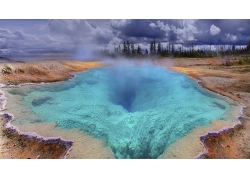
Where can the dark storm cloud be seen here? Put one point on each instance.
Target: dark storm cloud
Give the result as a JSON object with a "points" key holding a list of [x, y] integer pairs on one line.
{"points": [[136, 28], [83, 37], [185, 31], [232, 31], [226, 25], [19, 35], [18, 43], [80, 31], [146, 30], [77, 36], [73, 28], [54, 36], [172, 36], [163, 30]]}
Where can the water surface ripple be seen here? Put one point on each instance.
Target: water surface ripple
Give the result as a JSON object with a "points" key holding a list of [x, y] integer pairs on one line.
{"points": [[138, 110]]}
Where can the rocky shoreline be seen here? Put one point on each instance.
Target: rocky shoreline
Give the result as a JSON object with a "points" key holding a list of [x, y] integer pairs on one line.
{"points": [[209, 137], [39, 147]]}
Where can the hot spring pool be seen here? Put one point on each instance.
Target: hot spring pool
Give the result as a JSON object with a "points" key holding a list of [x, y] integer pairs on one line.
{"points": [[138, 110]]}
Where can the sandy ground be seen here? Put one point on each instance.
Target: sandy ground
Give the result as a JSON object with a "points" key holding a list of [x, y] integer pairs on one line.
{"points": [[42, 71], [230, 81]]}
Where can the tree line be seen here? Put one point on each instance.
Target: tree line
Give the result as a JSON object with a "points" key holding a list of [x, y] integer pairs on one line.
{"points": [[128, 49]]}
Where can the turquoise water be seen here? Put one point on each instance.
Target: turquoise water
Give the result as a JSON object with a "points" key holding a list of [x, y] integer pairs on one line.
{"points": [[138, 110]]}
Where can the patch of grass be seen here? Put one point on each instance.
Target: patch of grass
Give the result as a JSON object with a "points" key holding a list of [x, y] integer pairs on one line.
{"points": [[248, 91], [241, 62], [20, 70], [6, 69], [238, 95]]}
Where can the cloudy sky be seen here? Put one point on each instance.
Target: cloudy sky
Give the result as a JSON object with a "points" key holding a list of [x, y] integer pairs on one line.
{"points": [[21, 37]]}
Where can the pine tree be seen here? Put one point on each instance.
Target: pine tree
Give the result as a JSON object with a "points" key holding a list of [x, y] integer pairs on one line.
{"points": [[119, 48], [132, 49], [159, 48], [138, 50], [146, 52], [124, 50], [172, 49], [116, 50], [128, 48], [151, 48], [154, 46], [233, 49], [248, 45]]}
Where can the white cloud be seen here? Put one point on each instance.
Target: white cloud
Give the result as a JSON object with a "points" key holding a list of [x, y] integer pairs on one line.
{"points": [[214, 30], [19, 35], [152, 25], [231, 37], [187, 33], [160, 25], [4, 51], [4, 32], [189, 21], [119, 23], [241, 29], [213, 48]]}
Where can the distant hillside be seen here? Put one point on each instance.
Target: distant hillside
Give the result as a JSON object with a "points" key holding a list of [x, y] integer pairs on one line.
{"points": [[8, 60]]}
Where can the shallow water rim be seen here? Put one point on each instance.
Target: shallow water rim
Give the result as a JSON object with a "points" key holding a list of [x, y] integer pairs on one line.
{"points": [[8, 117]]}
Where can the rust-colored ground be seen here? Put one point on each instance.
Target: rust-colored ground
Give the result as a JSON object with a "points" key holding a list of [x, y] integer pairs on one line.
{"points": [[18, 146], [36, 149], [43, 71]]}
